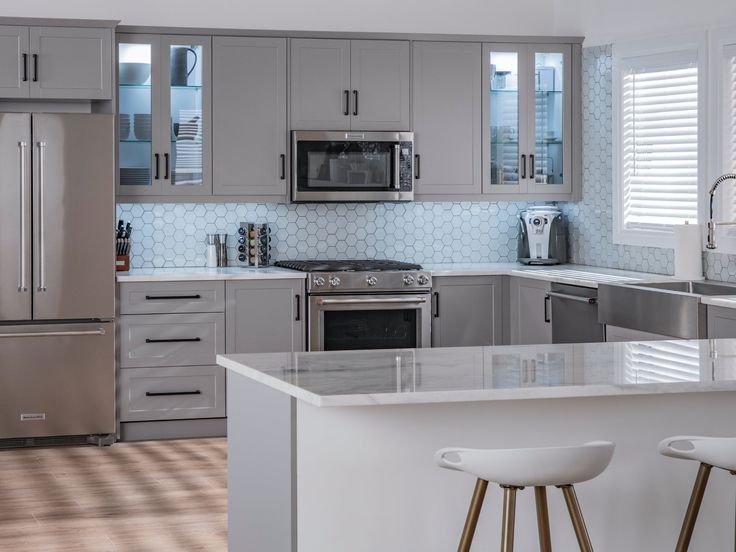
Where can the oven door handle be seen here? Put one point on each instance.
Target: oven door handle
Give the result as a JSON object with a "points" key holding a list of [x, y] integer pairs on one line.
{"points": [[373, 301]]}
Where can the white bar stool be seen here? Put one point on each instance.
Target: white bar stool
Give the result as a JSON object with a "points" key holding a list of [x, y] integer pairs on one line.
{"points": [[711, 452], [514, 469]]}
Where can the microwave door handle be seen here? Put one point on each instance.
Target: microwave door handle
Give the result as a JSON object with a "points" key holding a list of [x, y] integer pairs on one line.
{"points": [[397, 166]]}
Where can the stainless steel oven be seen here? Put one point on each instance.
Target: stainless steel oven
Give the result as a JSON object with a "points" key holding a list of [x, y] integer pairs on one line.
{"points": [[352, 166], [369, 321]]}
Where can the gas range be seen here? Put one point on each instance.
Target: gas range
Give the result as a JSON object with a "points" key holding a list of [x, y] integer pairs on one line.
{"points": [[361, 276]]}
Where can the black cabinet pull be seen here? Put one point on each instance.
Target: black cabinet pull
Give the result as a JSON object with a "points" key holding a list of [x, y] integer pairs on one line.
{"points": [[157, 157], [166, 166], [283, 166], [346, 112], [416, 166], [157, 297], [531, 166], [355, 104], [436, 304], [35, 67], [167, 393], [523, 165], [546, 309], [298, 307], [175, 340], [25, 67]]}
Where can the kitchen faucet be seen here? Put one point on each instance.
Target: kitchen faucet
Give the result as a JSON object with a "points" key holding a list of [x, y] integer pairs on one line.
{"points": [[711, 239]]}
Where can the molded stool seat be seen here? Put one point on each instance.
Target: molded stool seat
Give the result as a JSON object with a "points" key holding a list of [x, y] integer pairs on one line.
{"points": [[514, 469], [711, 452]]}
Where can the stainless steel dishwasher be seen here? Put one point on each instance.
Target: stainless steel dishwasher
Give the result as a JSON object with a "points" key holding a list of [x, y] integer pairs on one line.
{"points": [[575, 314]]}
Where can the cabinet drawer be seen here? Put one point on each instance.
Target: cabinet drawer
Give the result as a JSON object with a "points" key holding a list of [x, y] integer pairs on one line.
{"points": [[171, 297], [171, 339], [171, 393]]}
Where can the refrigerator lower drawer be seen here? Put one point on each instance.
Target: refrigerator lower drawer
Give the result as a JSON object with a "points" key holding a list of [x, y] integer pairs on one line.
{"points": [[149, 340], [57, 379], [172, 393]]}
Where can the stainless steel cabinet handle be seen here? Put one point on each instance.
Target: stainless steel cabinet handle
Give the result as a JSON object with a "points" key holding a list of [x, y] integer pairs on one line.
{"points": [[99, 331], [397, 166], [589, 300], [22, 288], [41, 218], [355, 103], [376, 301]]}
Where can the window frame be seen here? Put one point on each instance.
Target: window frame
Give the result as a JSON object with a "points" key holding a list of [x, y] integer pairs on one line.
{"points": [[697, 44]]}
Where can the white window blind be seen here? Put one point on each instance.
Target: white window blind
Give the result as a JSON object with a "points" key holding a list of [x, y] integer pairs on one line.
{"points": [[661, 362], [659, 141]]}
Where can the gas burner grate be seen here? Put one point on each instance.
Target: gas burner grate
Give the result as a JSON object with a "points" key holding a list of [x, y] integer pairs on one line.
{"points": [[378, 265]]}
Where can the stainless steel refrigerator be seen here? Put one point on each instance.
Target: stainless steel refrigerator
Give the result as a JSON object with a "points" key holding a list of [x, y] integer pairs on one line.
{"points": [[57, 280]]}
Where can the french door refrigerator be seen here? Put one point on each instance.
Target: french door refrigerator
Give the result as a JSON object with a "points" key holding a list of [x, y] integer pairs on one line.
{"points": [[57, 281]]}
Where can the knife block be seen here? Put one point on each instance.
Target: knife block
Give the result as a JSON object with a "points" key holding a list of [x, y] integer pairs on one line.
{"points": [[122, 263]]}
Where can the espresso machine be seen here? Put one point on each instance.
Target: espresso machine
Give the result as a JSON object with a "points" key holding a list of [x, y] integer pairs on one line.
{"points": [[542, 236]]}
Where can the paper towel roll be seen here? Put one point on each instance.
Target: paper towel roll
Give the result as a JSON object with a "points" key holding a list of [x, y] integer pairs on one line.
{"points": [[688, 252]]}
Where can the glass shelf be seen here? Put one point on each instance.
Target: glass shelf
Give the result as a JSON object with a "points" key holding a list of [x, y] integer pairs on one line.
{"points": [[516, 91], [133, 141], [547, 142], [148, 86]]}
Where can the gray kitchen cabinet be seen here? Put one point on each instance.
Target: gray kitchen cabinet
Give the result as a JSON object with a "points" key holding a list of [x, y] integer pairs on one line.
{"points": [[468, 311], [447, 118], [14, 59], [344, 85], [264, 316], [721, 322], [530, 317], [56, 63], [249, 116]]}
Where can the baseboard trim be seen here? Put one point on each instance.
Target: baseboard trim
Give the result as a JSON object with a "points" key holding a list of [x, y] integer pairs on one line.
{"points": [[173, 429]]}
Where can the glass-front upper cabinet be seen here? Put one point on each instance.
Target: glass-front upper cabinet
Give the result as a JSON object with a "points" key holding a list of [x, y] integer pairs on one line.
{"points": [[164, 115], [527, 119]]}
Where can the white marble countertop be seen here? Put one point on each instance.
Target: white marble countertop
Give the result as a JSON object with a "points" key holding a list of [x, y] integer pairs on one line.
{"points": [[465, 374], [195, 273]]}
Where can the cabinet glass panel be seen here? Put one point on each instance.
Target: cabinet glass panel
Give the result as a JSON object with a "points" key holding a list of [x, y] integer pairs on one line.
{"points": [[548, 118], [185, 118], [135, 110], [504, 115]]}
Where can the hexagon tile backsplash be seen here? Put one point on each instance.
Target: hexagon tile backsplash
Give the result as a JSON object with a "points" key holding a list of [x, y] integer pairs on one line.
{"points": [[174, 234]]}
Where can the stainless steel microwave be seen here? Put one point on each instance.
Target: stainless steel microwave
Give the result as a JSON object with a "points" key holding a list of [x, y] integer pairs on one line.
{"points": [[352, 166]]}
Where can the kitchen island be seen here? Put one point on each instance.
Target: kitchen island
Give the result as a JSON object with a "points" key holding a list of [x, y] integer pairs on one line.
{"points": [[334, 451]]}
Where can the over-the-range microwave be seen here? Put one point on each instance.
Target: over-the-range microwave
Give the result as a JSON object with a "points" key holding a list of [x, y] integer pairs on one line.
{"points": [[352, 166]]}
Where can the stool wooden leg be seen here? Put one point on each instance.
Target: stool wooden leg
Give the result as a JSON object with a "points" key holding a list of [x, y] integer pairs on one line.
{"points": [[509, 518], [545, 540], [578, 523], [466, 540], [696, 498]]}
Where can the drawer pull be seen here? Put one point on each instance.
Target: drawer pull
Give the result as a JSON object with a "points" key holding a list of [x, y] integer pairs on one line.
{"points": [[168, 393], [166, 297], [175, 340]]}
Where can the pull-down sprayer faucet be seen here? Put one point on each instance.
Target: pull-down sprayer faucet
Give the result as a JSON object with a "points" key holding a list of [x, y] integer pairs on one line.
{"points": [[711, 240]]}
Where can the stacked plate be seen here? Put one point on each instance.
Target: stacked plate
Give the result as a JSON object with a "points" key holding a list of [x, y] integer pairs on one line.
{"points": [[142, 126], [187, 169], [135, 176], [124, 119]]}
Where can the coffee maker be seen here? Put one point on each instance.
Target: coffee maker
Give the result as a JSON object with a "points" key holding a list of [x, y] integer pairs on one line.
{"points": [[542, 236]]}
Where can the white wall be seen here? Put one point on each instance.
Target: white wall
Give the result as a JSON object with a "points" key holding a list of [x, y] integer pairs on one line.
{"points": [[422, 16], [606, 21]]}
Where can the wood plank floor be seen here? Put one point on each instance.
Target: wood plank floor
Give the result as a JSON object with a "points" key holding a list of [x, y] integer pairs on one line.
{"points": [[157, 496]]}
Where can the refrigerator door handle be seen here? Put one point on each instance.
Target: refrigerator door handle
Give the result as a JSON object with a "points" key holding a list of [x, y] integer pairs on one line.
{"points": [[98, 331], [41, 240], [22, 288]]}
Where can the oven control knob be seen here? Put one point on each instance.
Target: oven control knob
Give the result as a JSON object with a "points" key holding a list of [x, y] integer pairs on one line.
{"points": [[408, 279], [371, 280], [334, 281], [422, 279], [319, 281]]}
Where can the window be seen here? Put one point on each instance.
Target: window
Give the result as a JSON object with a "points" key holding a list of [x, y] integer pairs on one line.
{"points": [[658, 107]]}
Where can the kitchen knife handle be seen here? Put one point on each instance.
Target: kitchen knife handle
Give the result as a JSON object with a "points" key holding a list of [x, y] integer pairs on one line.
{"points": [[346, 112], [282, 158], [35, 67], [41, 218], [417, 159], [22, 146], [156, 157], [522, 165], [355, 103], [531, 166], [166, 166], [169, 393], [25, 67]]}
